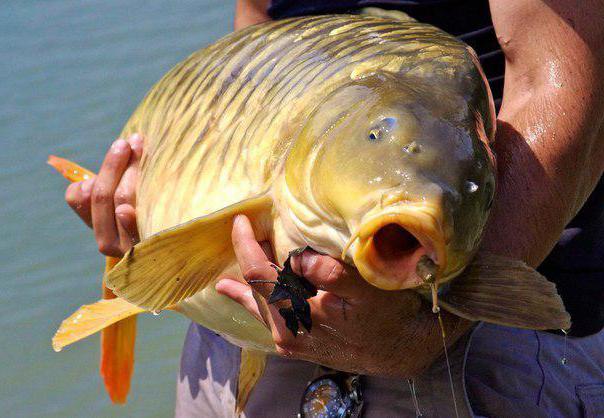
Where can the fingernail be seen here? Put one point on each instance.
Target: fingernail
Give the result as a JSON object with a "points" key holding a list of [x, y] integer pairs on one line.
{"points": [[122, 220], [87, 185], [119, 146], [308, 259], [121, 217], [237, 219], [135, 140]]}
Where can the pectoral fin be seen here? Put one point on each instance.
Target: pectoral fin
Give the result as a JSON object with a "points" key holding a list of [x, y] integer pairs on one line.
{"points": [[90, 319], [507, 292], [250, 370], [174, 264]]}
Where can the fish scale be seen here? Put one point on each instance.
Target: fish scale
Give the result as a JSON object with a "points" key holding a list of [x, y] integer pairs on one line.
{"points": [[223, 83]]}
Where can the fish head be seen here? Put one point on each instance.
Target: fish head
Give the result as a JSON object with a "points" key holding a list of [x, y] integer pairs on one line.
{"points": [[406, 166]]}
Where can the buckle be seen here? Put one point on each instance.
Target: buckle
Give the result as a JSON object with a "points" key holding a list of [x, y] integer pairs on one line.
{"points": [[334, 395]]}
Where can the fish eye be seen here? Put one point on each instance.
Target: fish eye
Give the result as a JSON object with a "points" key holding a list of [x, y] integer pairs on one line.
{"points": [[378, 131], [471, 186], [375, 135], [388, 123]]}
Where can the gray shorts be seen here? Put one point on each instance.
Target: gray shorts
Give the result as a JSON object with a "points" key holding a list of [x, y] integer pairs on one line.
{"points": [[497, 372]]}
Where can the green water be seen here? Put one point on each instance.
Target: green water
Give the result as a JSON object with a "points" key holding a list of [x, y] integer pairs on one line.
{"points": [[71, 72]]}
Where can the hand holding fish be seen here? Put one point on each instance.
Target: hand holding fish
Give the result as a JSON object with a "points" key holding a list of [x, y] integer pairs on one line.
{"points": [[106, 202], [356, 327]]}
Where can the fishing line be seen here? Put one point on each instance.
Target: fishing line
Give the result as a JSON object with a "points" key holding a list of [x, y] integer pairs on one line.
{"points": [[426, 269], [436, 310], [564, 360], [411, 383]]}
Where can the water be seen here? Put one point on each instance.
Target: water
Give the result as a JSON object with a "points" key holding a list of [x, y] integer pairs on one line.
{"points": [[71, 73]]}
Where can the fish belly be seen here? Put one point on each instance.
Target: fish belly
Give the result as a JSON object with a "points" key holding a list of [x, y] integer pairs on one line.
{"points": [[227, 318]]}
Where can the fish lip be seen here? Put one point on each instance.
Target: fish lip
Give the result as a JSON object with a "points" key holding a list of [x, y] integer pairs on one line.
{"points": [[421, 220]]}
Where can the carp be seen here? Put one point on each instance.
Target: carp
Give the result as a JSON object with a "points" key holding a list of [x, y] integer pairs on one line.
{"points": [[365, 138]]}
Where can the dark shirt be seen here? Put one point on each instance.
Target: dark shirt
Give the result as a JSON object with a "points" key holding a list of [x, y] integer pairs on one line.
{"points": [[576, 265]]}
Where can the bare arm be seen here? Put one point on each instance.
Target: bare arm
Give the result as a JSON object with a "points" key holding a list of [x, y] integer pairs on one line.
{"points": [[550, 140], [250, 12]]}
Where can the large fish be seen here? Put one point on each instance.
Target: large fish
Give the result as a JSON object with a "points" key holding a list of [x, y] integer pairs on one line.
{"points": [[363, 137]]}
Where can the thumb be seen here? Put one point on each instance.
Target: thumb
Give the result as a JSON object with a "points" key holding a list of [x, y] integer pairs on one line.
{"points": [[330, 274]]}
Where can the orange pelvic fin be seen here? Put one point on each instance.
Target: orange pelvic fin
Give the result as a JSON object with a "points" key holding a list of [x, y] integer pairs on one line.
{"points": [[117, 358], [117, 350]]}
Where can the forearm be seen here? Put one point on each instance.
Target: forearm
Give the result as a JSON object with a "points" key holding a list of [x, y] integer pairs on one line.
{"points": [[547, 166], [550, 133], [250, 12]]}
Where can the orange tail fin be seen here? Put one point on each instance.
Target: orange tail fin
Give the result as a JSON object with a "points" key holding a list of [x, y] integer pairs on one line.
{"points": [[117, 340]]}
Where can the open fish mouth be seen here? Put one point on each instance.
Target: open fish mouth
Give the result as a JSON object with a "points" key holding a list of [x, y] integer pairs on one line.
{"points": [[389, 245]]}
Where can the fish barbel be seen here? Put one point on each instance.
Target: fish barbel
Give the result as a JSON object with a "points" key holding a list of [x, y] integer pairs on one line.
{"points": [[363, 137]]}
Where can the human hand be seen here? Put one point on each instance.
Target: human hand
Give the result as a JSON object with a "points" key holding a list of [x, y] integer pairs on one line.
{"points": [[356, 327], [107, 201]]}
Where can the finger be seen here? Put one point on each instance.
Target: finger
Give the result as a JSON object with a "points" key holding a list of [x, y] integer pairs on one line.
{"points": [[126, 217], [136, 142], [259, 272], [125, 193], [330, 275], [285, 343], [253, 262], [240, 293], [103, 210], [256, 266], [305, 345], [77, 196]]}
